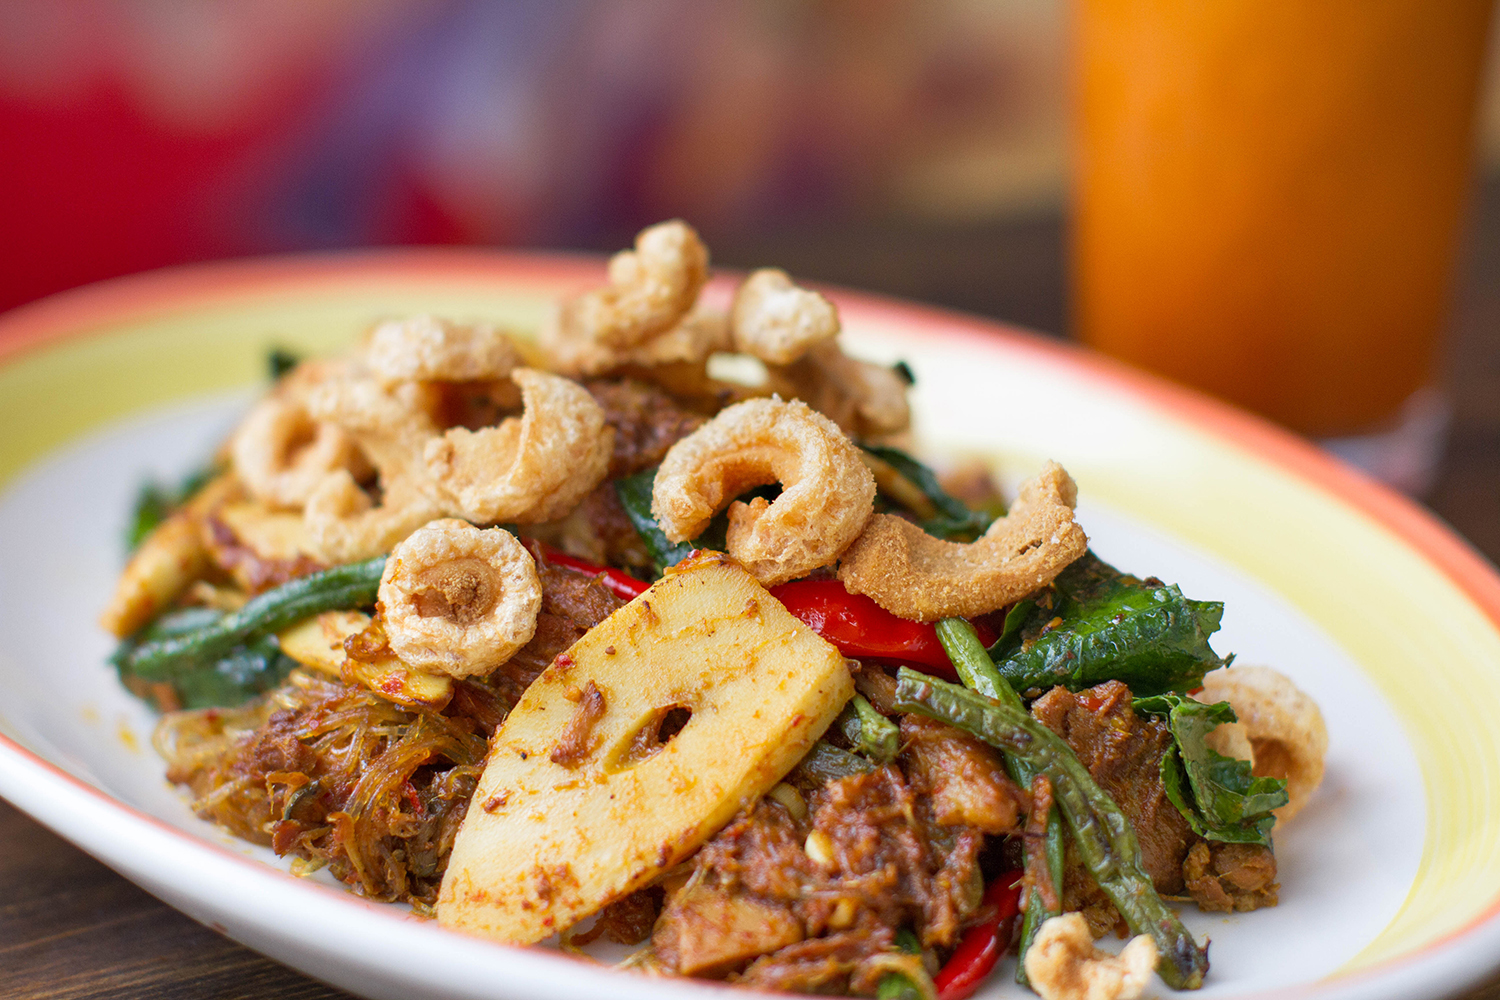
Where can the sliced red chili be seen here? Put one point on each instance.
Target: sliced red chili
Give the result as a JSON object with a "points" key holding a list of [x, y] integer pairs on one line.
{"points": [[982, 945], [862, 629]]}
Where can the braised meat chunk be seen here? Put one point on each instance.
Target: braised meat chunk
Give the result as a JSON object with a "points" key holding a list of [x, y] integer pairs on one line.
{"points": [[1123, 752]]}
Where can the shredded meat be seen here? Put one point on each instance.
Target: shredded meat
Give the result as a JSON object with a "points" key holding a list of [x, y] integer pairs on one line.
{"points": [[1230, 877], [1123, 752], [341, 778], [572, 603], [962, 778], [869, 858], [646, 420], [577, 739]]}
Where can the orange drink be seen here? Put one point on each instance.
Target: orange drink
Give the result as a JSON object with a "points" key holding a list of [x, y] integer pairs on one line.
{"points": [[1268, 194]]}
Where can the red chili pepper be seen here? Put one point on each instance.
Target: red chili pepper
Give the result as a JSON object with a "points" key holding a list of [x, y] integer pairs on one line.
{"points": [[862, 629], [983, 944], [621, 584]]}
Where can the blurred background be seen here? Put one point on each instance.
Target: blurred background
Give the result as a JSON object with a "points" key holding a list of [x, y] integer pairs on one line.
{"points": [[924, 148]]}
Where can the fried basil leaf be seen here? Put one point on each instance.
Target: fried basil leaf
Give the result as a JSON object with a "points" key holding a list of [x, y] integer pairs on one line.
{"points": [[1096, 624], [1218, 795]]}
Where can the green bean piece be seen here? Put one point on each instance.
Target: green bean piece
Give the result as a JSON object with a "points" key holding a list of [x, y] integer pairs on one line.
{"points": [[871, 733], [340, 588], [1037, 912], [906, 985], [973, 663], [1106, 843], [978, 672]]}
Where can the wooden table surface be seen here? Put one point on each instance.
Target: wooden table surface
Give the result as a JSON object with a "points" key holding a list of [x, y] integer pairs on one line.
{"points": [[71, 928]]}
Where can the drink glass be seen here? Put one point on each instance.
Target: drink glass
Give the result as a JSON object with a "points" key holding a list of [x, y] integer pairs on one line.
{"points": [[1267, 203]]}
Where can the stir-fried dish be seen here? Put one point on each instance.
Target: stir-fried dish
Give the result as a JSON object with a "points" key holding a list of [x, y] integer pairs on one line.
{"points": [[566, 638]]}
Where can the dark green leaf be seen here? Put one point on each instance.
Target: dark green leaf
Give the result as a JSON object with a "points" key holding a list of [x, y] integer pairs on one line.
{"points": [[1218, 795], [1096, 624], [279, 361], [240, 674], [954, 519], [826, 762]]}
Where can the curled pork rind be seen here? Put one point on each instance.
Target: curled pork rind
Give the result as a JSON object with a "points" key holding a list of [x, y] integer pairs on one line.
{"points": [[425, 348], [913, 575], [281, 453], [867, 400], [345, 525], [390, 424], [1063, 964], [529, 469], [650, 288], [777, 321], [827, 492], [1285, 730], [699, 334], [458, 599]]}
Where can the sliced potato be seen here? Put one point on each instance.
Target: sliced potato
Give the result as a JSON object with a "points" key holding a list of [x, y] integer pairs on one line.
{"points": [[167, 562], [318, 643], [546, 842]]}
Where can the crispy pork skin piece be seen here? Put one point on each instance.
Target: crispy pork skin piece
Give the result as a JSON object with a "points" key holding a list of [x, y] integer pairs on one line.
{"points": [[1123, 752]]}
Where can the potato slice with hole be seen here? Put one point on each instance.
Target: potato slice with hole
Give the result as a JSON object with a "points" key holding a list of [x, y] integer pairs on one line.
{"points": [[706, 649], [318, 643]]}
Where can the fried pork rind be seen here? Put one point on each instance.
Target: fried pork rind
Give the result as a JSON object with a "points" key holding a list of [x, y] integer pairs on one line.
{"points": [[1063, 964], [913, 575], [458, 599], [345, 525], [867, 400], [426, 348], [827, 492], [1283, 725], [281, 453], [650, 288], [777, 321], [525, 470], [390, 423], [699, 334]]}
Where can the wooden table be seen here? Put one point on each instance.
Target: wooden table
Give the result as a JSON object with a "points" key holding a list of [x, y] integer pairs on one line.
{"points": [[71, 928]]}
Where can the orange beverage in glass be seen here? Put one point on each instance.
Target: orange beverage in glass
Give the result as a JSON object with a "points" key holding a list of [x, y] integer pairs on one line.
{"points": [[1269, 194]]}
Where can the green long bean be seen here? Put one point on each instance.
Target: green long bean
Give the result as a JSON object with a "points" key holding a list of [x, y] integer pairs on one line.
{"points": [[351, 586], [869, 732], [1106, 843], [978, 672]]}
